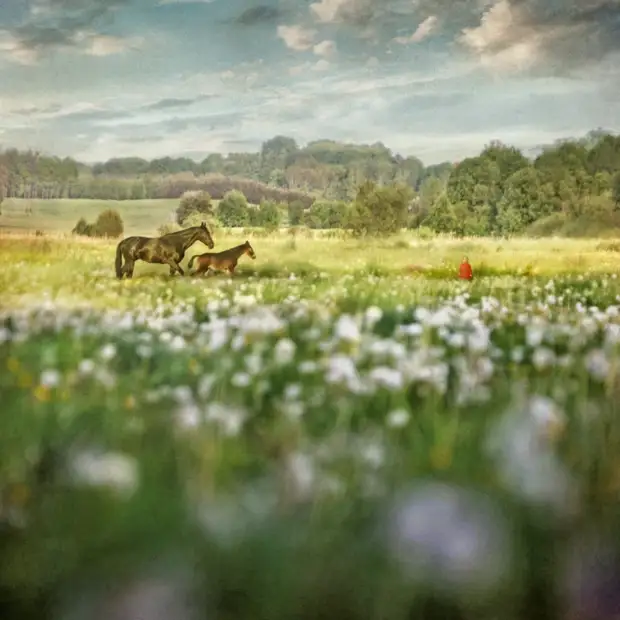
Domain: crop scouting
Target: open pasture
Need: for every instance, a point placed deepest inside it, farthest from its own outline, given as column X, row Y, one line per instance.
column 140, row 217
column 327, row 433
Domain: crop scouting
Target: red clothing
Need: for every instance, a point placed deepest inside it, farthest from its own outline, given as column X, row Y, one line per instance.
column 465, row 272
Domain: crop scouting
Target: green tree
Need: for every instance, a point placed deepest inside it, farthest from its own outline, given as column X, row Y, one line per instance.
column 327, row 214
column 193, row 202
column 524, row 201
column 442, row 216
column 233, row 210
column 380, row 210
column 295, row 212
column 615, row 189
column 266, row 215
column 430, row 190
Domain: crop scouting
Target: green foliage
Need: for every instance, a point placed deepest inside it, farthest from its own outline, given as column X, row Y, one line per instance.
column 109, row 224
column 327, row 214
column 484, row 192
column 380, row 210
column 191, row 203
column 83, row 228
column 615, row 189
column 295, row 213
column 233, row 210
column 266, row 215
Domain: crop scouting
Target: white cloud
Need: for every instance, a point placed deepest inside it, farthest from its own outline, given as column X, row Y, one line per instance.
column 106, row 45
column 12, row 49
column 329, row 11
column 424, row 30
column 84, row 42
column 325, row 48
column 297, row 38
column 506, row 40
column 321, row 65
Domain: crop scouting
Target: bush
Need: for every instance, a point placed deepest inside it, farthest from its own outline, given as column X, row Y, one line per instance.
column 109, row 224
column 327, row 214
column 166, row 229
column 233, row 210
column 267, row 215
column 615, row 189
column 196, row 202
column 295, row 213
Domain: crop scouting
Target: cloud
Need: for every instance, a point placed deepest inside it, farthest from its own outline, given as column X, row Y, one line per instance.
column 325, row 48
column 534, row 35
column 321, row 65
column 424, row 30
column 297, row 38
column 359, row 12
column 63, row 24
column 260, row 14
column 107, row 45
column 166, row 104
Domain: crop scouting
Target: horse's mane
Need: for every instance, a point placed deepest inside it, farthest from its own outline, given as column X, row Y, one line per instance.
column 176, row 233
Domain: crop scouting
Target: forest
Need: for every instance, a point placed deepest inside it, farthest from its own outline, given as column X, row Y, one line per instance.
column 570, row 187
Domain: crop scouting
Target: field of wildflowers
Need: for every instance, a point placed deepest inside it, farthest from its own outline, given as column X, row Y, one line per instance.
column 322, row 437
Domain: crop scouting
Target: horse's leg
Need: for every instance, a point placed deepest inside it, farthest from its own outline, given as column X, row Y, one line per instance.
column 128, row 267
column 231, row 269
column 174, row 267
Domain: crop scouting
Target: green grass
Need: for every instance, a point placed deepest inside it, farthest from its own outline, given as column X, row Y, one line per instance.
column 326, row 434
column 60, row 216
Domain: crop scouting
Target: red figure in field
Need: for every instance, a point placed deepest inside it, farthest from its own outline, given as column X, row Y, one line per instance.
column 465, row 271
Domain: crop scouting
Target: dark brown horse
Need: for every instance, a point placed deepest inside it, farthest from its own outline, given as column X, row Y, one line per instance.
column 166, row 250
column 221, row 260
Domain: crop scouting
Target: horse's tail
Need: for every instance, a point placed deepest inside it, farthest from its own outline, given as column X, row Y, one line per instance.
column 118, row 263
column 191, row 261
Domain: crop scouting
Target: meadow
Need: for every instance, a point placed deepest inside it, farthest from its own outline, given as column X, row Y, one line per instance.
column 341, row 430
column 20, row 215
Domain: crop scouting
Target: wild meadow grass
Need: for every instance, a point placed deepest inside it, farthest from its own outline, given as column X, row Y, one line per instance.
column 341, row 430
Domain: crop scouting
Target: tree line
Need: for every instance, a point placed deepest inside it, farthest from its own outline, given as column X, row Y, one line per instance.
column 280, row 171
column 573, row 185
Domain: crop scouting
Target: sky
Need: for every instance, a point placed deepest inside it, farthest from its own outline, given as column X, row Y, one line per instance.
column 438, row 79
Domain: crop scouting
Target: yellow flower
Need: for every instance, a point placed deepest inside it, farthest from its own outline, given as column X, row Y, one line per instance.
column 193, row 366
column 42, row 394
column 12, row 365
column 130, row 402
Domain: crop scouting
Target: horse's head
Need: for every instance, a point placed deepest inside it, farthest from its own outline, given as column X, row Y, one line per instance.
column 205, row 236
column 249, row 250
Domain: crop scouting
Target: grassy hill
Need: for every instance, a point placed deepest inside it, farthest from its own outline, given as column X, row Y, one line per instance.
column 139, row 216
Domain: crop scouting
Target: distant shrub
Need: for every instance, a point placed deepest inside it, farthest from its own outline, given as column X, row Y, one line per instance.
column 194, row 202
column 108, row 224
column 233, row 210
column 267, row 215
column 166, row 229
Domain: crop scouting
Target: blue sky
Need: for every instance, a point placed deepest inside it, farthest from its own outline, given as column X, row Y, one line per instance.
column 438, row 79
